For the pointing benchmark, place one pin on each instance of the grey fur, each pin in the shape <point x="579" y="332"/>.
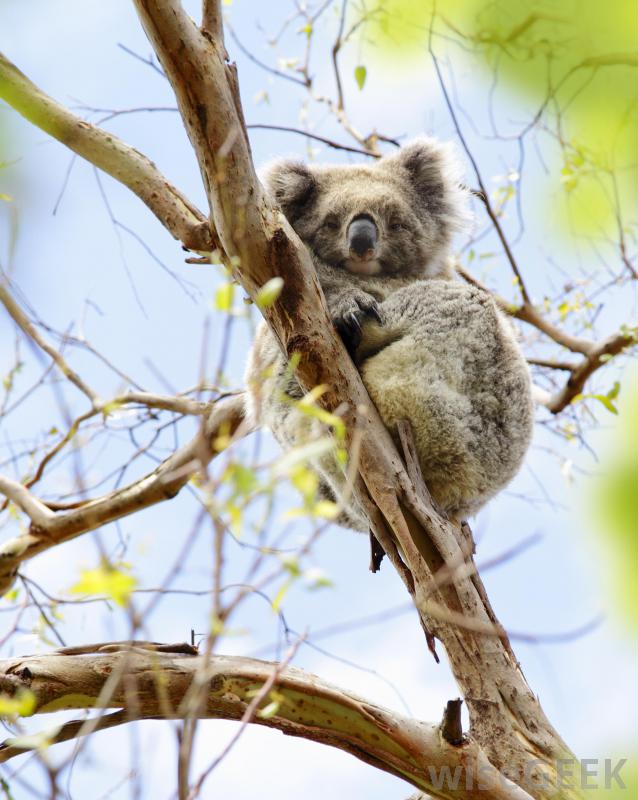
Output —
<point x="430" y="349"/>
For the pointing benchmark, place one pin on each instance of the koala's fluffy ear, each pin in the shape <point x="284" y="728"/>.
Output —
<point x="292" y="185"/>
<point x="434" y="172"/>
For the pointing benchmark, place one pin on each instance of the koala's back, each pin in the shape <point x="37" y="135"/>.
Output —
<point x="454" y="370"/>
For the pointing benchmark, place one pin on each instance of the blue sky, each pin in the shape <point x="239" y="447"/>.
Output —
<point x="75" y="265"/>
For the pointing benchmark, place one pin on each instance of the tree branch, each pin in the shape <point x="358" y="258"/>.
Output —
<point x="595" y="359"/>
<point x="153" y="682"/>
<point x="101" y="148"/>
<point x="49" y="529"/>
<point x="27" y="327"/>
<point x="212" y="18"/>
<point x="596" y="353"/>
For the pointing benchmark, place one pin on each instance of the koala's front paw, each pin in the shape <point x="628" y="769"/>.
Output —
<point x="348" y="311"/>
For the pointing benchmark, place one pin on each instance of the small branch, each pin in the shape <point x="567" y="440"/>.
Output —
<point x="49" y="529"/>
<point x="483" y="194"/>
<point x="595" y="352"/>
<point x="610" y="347"/>
<point x="315" y="137"/>
<point x="73" y="729"/>
<point x="451" y="726"/>
<point x="564" y="366"/>
<point x="212" y="19"/>
<point x="176" y="404"/>
<point x="335" y="54"/>
<point x="37" y="512"/>
<point x="265" y="67"/>
<point x="528" y="313"/>
<point x="109" y="154"/>
<point x="25" y="324"/>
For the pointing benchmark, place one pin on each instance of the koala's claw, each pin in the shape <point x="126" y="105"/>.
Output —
<point x="375" y="312"/>
<point x="352" y="322"/>
<point x="349" y="314"/>
<point x="349" y="328"/>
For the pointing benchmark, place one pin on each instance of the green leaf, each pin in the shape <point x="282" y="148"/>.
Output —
<point x="270" y="710"/>
<point x="613" y="393"/>
<point x="305" y="481"/>
<point x="21" y="704"/>
<point x="34" y="741"/>
<point x="224" y="296"/>
<point x="281" y="593"/>
<point x="108" y="580"/>
<point x="614" y="507"/>
<point x="316" y="578"/>
<point x="242" y="479"/>
<point x="360" y="75"/>
<point x="605" y="399"/>
<point x="269" y="292"/>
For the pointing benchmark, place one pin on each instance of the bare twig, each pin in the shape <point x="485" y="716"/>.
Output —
<point x="23" y="322"/>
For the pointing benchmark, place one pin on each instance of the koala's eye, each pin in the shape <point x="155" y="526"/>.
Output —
<point x="332" y="223"/>
<point x="397" y="226"/>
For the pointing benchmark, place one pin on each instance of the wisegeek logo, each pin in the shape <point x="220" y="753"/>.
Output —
<point x="586" y="773"/>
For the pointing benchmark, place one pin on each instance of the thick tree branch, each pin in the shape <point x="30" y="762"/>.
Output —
<point x="49" y="528"/>
<point x="101" y="148"/>
<point x="154" y="682"/>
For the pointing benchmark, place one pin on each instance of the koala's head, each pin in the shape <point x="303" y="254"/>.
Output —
<point x="393" y="217"/>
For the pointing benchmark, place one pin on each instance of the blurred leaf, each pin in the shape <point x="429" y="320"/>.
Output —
<point x="586" y="55"/>
<point x="108" y="580"/>
<point x="284" y="465"/>
<point x="270" y="710"/>
<point x="22" y="704"/>
<point x="269" y="292"/>
<point x="602" y="398"/>
<point x="242" y="479"/>
<point x="360" y="75"/>
<point x="615" y="506"/>
<point x="224" y="296"/>
<point x="316" y="578"/>
<point x="281" y="593"/>
<point x="34" y="741"/>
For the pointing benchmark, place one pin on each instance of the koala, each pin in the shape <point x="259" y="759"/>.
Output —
<point x="429" y="348"/>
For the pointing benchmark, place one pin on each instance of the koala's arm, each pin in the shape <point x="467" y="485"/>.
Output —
<point x="351" y="300"/>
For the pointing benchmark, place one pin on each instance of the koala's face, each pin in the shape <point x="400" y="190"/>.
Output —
<point x="394" y="217"/>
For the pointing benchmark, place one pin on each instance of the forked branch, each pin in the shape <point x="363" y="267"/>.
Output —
<point x="49" y="528"/>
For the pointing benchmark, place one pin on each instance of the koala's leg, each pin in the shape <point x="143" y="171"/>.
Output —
<point x="404" y="382"/>
<point x="375" y="337"/>
<point x="458" y="376"/>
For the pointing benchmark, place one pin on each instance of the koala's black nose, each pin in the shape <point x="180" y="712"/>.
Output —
<point x="362" y="236"/>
